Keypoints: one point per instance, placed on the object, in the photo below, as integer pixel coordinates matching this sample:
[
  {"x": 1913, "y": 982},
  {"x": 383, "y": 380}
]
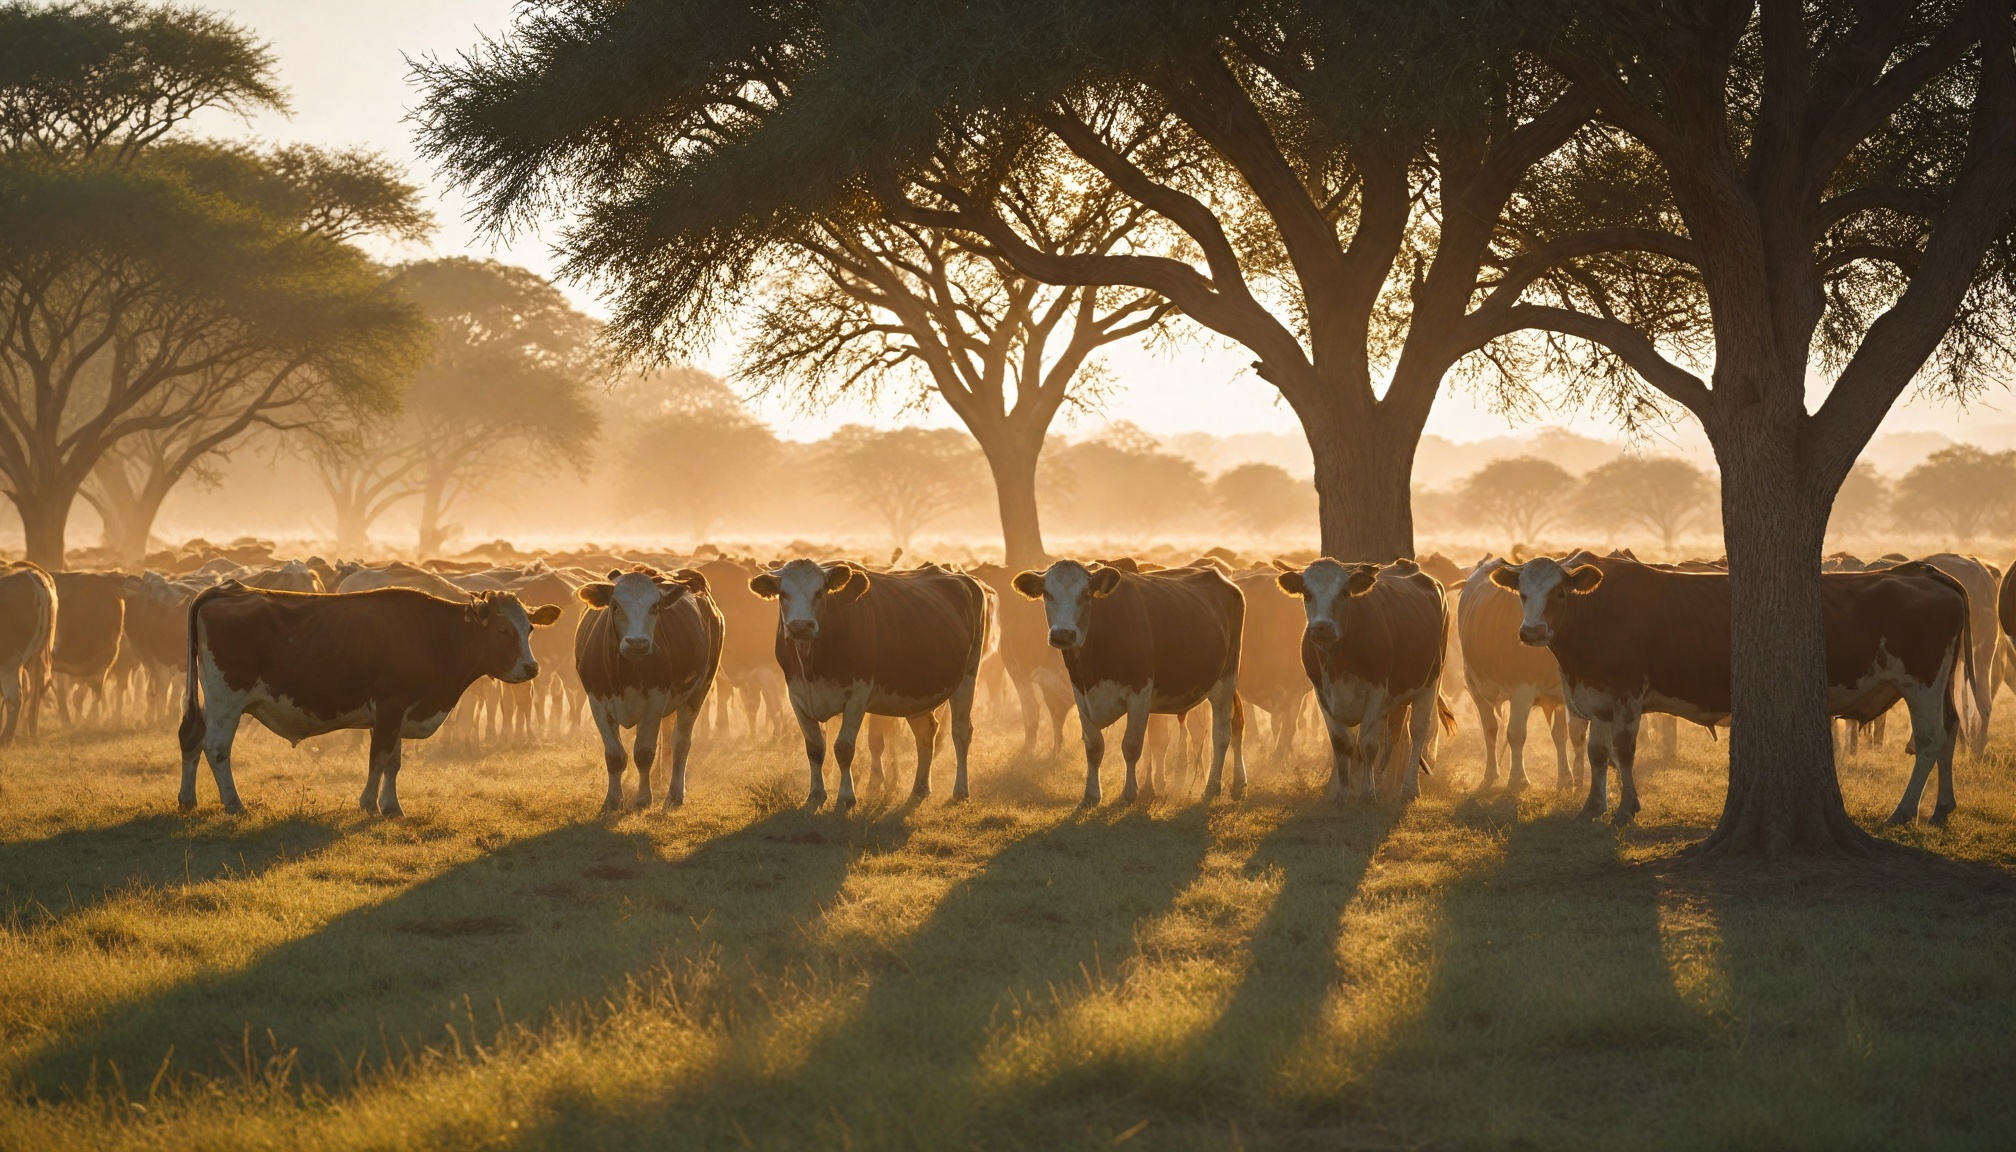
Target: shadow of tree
[
  {"x": 546, "y": 924},
  {"x": 49, "y": 880},
  {"x": 1043, "y": 912}
]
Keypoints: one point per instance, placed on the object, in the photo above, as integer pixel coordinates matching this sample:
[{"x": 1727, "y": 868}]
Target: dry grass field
[{"x": 503, "y": 968}]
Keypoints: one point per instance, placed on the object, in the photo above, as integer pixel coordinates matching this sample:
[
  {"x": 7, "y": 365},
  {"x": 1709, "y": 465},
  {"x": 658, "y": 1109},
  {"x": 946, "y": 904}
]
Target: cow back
[
  {"x": 90, "y": 618},
  {"x": 915, "y": 634},
  {"x": 1180, "y": 628}
]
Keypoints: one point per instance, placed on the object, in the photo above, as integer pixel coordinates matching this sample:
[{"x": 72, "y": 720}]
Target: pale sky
[{"x": 343, "y": 64}]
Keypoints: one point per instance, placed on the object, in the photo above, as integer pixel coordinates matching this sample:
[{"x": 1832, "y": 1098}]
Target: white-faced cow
[
  {"x": 1140, "y": 643},
  {"x": 1372, "y": 646},
  {"x": 392, "y": 661},
  {"x": 854, "y": 642},
  {"x": 28, "y": 613},
  {"x": 647, "y": 648},
  {"x": 1632, "y": 638},
  {"x": 1498, "y": 669}
]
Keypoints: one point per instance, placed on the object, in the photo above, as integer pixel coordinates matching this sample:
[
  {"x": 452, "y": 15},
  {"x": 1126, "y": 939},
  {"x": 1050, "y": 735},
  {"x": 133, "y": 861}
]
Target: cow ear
[
  {"x": 1291, "y": 581},
  {"x": 615, "y": 574},
  {"x": 839, "y": 576},
  {"x": 1506, "y": 576},
  {"x": 1104, "y": 582},
  {"x": 669, "y": 591},
  {"x": 477, "y": 611},
  {"x": 693, "y": 581},
  {"x": 1362, "y": 579},
  {"x": 1584, "y": 579},
  {"x": 764, "y": 585},
  {"x": 1030, "y": 585},
  {"x": 1281, "y": 565},
  {"x": 544, "y": 616},
  {"x": 595, "y": 595}
]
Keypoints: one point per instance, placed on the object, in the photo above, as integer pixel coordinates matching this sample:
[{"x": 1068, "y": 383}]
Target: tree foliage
[
  {"x": 1521, "y": 496},
  {"x": 1263, "y": 502},
  {"x": 1957, "y": 495},
  {"x": 1663, "y": 495},
  {"x": 695, "y": 455},
  {"x": 912, "y": 477}
]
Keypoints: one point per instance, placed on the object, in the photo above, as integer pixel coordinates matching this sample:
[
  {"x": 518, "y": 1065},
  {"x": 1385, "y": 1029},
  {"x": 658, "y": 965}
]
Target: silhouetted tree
[
  {"x": 1123, "y": 484},
  {"x": 1657, "y": 494},
  {"x": 1861, "y": 504},
  {"x": 1957, "y": 494},
  {"x": 1263, "y": 501},
  {"x": 910, "y": 477},
  {"x": 695, "y": 453},
  {"x": 1522, "y": 496}
]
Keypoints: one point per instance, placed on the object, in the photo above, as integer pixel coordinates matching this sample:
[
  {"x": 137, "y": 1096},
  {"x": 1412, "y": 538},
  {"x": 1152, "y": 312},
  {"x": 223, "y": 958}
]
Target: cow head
[
  {"x": 1325, "y": 587},
  {"x": 1544, "y": 586},
  {"x": 1066, "y": 589},
  {"x": 801, "y": 586},
  {"x": 634, "y": 600},
  {"x": 506, "y": 626}
]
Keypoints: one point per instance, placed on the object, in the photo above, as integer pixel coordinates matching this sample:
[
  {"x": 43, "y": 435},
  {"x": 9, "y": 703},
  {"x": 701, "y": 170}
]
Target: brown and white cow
[
  {"x": 1138, "y": 643},
  {"x": 89, "y": 625},
  {"x": 853, "y": 642},
  {"x": 1632, "y": 638},
  {"x": 1270, "y": 656},
  {"x": 1372, "y": 646},
  {"x": 1498, "y": 669},
  {"x": 28, "y": 616},
  {"x": 392, "y": 661},
  {"x": 647, "y": 648}
]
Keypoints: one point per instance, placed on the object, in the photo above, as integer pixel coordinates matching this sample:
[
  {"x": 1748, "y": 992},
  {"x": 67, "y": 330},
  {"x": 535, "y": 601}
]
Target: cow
[
  {"x": 293, "y": 576},
  {"x": 1138, "y": 643},
  {"x": 852, "y": 642},
  {"x": 749, "y": 672},
  {"x": 1372, "y": 646},
  {"x": 28, "y": 618},
  {"x": 1270, "y": 656},
  {"x": 1498, "y": 669},
  {"x": 1033, "y": 668},
  {"x": 647, "y": 647},
  {"x": 391, "y": 661},
  {"x": 89, "y": 624},
  {"x": 1632, "y": 638}
]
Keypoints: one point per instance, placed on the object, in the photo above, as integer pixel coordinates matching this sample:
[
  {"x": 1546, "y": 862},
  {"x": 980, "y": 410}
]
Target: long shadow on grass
[
  {"x": 46, "y": 881},
  {"x": 552, "y": 923},
  {"x": 1044, "y": 913}
]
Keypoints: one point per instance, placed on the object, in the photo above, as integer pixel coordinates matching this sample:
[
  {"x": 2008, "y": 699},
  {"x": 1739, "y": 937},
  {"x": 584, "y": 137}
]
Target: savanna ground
[{"x": 503, "y": 968}]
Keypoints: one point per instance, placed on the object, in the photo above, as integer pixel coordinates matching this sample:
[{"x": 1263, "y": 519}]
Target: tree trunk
[
  {"x": 45, "y": 517},
  {"x": 1014, "y": 469},
  {"x": 1784, "y": 798},
  {"x": 353, "y": 527},
  {"x": 129, "y": 523},
  {"x": 1364, "y": 478},
  {"x": 432, "y": 535}
]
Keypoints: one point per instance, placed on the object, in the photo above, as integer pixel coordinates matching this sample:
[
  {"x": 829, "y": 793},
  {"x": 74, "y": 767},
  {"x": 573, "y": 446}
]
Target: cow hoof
[
  {"x": 815, "y": 801},
  {"x": 960, "y": 795},
  {"x": 1939, "y": 816},
  {"x": 1237, "y": 792},
  {"x": 1592, "y": 811},
  {"x": 844, "y": 804},
  {"x": 672, "y": 802},
  {"x": 1622, "y": 818},
  {"x": 1089, "y": 800},
  {"x": 921, "y": 792},
  {"x": 1129, "y": 795},
  {"x": 186, "y": 803},
  {"x": 393, "y": 813},
  {"x": 1900, "y": 818},
  {"x": 1211, "y": 793},
  {"x": 234, "y": 808},
  {"x": 611, "y": 807},
  {"x": 1516, "y": 784}
]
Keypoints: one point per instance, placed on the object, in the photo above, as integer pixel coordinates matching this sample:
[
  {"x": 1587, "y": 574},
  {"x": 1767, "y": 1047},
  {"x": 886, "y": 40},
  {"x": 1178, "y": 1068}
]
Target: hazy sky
[{"x": 343, "y": 62}]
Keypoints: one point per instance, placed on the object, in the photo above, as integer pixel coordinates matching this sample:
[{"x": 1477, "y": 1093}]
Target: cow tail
[
  {"x": 1445, "y": 714},
  {"x": 193, "y": 728},
  {"x": 1961, "y": 690}
]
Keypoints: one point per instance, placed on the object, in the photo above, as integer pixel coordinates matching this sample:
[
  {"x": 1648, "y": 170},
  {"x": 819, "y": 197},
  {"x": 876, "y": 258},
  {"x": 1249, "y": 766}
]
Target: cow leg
[
  {"x": 1557, "y": 725},
  {"x": 843, "y": 752},
  {"x": 1026, "y": 698},
  {"x": 1225, "y": 706},
  {"x": 646, "y": 751},
  {"x": 1599, "y": 769},
  {"x": 1132, "y": 738},
  {"x": 1515, "y": 736},
  {"x": 218, "y": 734},
  {"x": 10, "y": 704},
  {"x": 815, "y": 756},
  {"x": 1343, "y": 749},
  {"x": 1624, "y": 749},
  {"x": 1487, "y": 724},
  {"x": 612, "y": 750},
  {"x": 385, "y": 745},
  {"x": 1935, "y": 730},
  {"x": 961, "y": 713},
  {"x": 1095, "y": 751},
  {"x": 924, "y": 726},
  {"x": 1669, "y": 739},
  {"x": 193, "y": 735},
  {"x": 878, "y": 744},
  {"x": 683, "y": 722}
]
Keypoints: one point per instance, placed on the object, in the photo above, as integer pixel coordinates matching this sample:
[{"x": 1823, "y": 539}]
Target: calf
[
  {"x": 1631, "y": 638},
  {"x": 392, "y": 661},
  {"x": 1373, "y": 647},
  {"x": 1498, "y": 669},
  {"x": 28, "y": 617},
  {"x": 852, "y": 642},
  {"x": 647, "y": 647},
  {"x": 1144, "y": 643}
]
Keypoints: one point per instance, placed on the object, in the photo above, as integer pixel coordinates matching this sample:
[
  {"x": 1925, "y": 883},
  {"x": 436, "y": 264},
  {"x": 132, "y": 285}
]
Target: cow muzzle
[
  {"x": 527, "y": 671},
  {"x": 636, "y": 646},
  {"x": 1536, "y": 635},
  {"x": 1323, "y": 632},
  {"x": 802, "y": 630},
  {"x": 1064, "y": 638}
]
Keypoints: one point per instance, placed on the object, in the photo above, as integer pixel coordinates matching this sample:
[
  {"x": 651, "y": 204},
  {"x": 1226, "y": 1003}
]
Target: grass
[{"x": 504, "y": 969}]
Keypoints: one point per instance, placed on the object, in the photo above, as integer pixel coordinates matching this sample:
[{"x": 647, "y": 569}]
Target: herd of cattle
[{"x": 400, "y": 650}]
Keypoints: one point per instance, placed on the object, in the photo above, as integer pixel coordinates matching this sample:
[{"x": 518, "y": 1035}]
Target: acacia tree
[
  {"x": 1836, "y": 182},
  {"x": 1523, "y": 496},
  {"x": 850, "y": 299},
  {"x": 1326, "y": 181},
  {"x": 1861, "y": 502},
  {"x": 695, "y": 453},
  {"x": 1658, "y": 494},
  {"x": 1263, "y": 500},
  {"x": 911, "y": 477},
  {"x": 1957, "y": 493},
  {"x": 149, "y": 285}
]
